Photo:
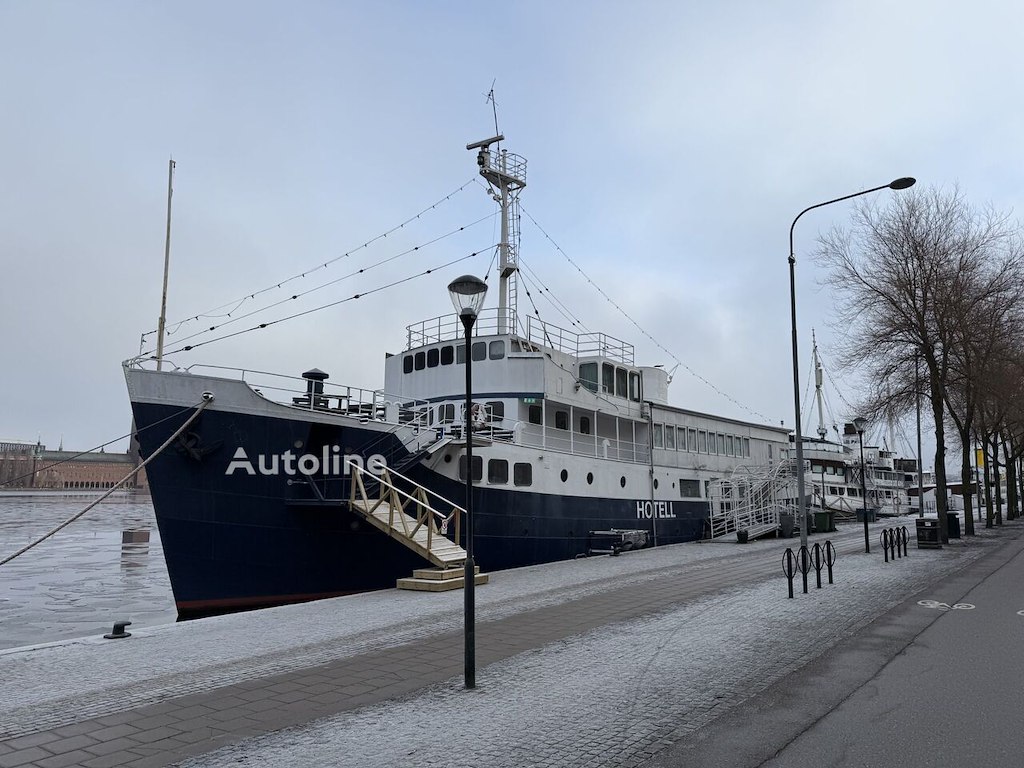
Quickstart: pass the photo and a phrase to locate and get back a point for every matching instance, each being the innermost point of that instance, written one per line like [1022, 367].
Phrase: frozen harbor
[105, 566]
[605, 661]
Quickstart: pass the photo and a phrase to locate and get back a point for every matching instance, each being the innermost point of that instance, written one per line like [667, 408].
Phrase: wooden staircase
[411, 518]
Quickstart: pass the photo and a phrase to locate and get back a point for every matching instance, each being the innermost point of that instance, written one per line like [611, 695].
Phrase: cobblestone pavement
[597, 662]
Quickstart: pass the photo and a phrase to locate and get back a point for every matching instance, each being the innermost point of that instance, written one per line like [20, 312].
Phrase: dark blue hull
[240, 539]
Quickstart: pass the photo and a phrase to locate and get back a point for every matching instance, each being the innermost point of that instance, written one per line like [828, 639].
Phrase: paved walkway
[672, 638]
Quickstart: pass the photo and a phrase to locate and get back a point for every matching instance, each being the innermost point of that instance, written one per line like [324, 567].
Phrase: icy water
[107, 565]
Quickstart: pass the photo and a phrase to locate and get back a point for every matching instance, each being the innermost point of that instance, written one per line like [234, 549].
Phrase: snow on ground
[615, 695]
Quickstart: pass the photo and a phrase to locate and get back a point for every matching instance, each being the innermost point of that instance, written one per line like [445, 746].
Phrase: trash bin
[787, 524]
[823, 522]
[953, 525]
[928, 533]
[869, 512]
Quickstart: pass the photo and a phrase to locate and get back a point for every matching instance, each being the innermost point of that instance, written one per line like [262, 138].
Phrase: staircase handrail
[389, 492]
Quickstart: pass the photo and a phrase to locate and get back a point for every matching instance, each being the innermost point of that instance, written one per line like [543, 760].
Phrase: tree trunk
[1012, 512]
[989, 512]
[997, 480]
[966, 483]
[940, 459]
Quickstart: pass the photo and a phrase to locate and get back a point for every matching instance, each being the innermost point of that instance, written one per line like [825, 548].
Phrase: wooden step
[440, 584]
[441, 574]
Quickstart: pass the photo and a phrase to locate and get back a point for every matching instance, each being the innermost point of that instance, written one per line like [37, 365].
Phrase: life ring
[478, 416]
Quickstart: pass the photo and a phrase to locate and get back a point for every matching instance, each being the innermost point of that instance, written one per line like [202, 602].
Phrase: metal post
[469, 583]
[162, 322]
[864, 490]
[920, 464]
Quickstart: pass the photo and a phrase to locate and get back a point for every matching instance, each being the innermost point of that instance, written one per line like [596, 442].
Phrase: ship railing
[565, 441]
[750, 499]
[491, 322]
[398, 501]
[342, 399]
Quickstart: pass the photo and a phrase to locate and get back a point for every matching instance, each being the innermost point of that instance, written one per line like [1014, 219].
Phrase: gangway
[750, 501]
[411, 518]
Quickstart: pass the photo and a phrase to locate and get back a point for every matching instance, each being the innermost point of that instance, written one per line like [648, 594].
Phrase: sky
[669, 147]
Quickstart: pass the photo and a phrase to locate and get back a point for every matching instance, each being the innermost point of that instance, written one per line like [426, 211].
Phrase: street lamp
[901, 183]
[860, 423]
[467, 294]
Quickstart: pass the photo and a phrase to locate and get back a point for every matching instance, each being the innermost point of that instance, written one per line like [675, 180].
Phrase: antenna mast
[822, 431]
[167, 265]
[506, 175]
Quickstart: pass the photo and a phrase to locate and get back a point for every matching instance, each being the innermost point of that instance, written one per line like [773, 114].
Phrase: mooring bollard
[818, 562]
[830, 558]
[804, 564]
[789, 567]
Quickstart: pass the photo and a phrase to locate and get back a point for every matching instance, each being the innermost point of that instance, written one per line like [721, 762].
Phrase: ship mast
[822, 431]
[505, 173]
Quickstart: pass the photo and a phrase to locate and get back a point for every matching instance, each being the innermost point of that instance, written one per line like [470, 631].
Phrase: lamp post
[901, 183]
[859, 423]
[467, 294]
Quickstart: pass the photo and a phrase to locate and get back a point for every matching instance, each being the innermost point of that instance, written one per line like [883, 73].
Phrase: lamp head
[467, 294]
[902, 183]
[859, 423]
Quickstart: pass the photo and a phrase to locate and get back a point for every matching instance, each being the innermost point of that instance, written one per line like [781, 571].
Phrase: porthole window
[590, 478]
[497, 471]
[565, 475]
[655, 483]
[622, 481]
[522, 473]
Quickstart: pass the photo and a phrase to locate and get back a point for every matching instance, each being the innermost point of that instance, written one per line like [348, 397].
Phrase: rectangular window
[446, 412]
[621, 378]
[721, 445]
[447, 355]
[588, 376]
[497, 471]
[608, 378]
[561, 419]
[479, 350]
[534, 414]
[702, 441]
[728, 446]
[670, 438]
[634, 386]
[691, 442]
[496, 351]
[689, 489]
[659, 436]
[460, 354]
[433, 358]
[478, 468]
[496, 410]
[407, 364]
[584, 425]
[746, 447]
[522, 473]
[420, 361]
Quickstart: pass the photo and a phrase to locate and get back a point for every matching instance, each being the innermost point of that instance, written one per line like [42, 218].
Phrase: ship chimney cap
[315, 374]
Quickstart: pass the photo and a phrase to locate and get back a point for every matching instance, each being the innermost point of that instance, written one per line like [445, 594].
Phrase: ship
[291, 487]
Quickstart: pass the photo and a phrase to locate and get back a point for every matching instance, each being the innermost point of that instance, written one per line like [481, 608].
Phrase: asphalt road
[935, 682]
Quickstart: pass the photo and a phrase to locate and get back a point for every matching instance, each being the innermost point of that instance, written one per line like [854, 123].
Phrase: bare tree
[908, 278]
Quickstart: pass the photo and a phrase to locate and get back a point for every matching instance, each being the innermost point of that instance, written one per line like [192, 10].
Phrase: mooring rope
[207, 399]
